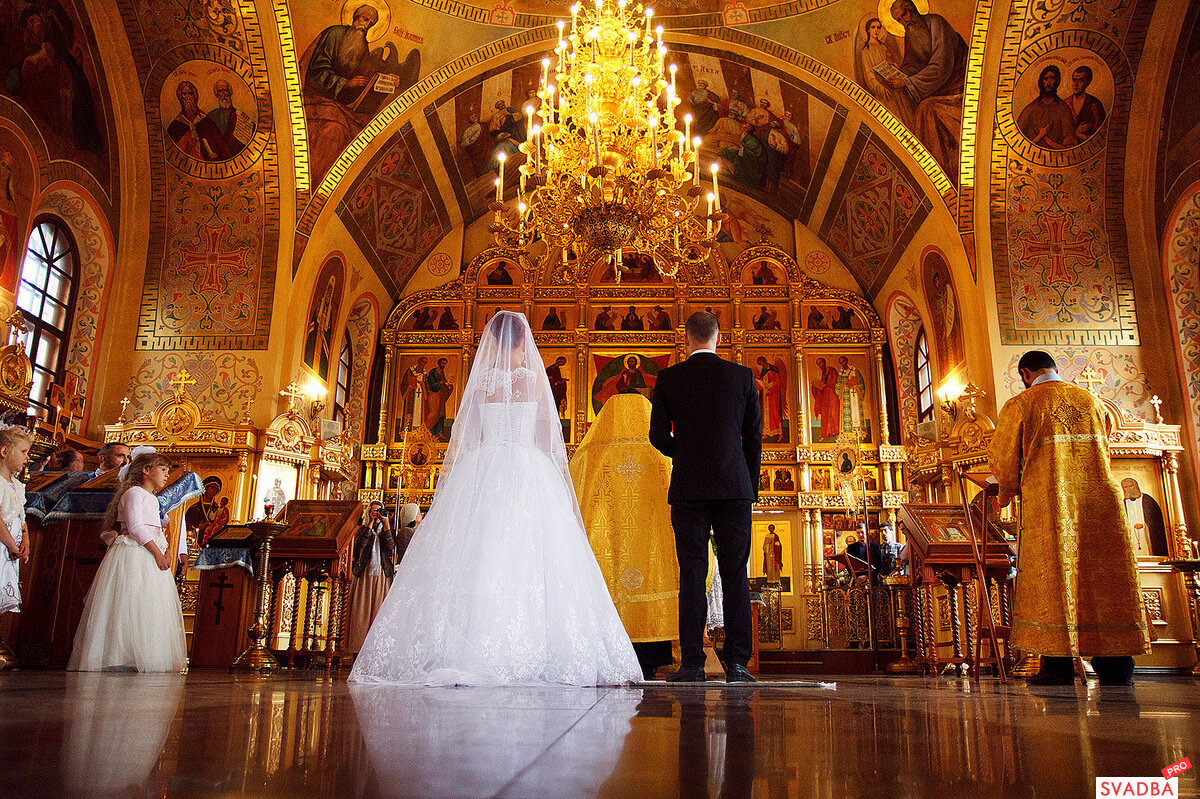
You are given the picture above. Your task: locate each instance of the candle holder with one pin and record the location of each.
(257, 657)
(1189, 567)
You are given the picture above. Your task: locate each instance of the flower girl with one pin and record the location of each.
(14, 546)
(132, 620)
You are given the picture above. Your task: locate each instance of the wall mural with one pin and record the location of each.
(1180, 165)
(323, 314)
(394, 210)
(1121, 377)
(1181, 265)
(48, 66)
(214, 207)
(227, 383)
(904, 323)
(361, 326)
(876, 210)
(18, 177)
(942, 301)
(1062, 269)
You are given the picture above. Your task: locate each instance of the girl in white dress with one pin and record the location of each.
(499, 585)
(14, 545)
(132, 619)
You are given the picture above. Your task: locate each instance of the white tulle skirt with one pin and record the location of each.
(131, 617)
(499, 587)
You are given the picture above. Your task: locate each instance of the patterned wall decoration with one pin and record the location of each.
(943, 304)
(94, 243)
(904, 323)
(226, 383)
(1058, 234)
(1122, 378)
(876, 210)
(394, 210)
(214, 208)
(361, 326)
(48, 52)
(1181, 265)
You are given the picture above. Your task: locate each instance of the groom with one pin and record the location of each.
(707, 418)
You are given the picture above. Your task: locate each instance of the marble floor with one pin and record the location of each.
(212, 733)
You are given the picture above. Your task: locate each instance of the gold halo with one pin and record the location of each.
(380, 28)
(885, 15)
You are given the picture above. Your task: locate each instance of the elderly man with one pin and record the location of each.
(1077, 593)
(112, 455)
(223, 140)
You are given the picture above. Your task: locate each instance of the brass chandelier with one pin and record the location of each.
(607, 169)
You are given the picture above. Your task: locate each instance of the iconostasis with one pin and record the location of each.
(816, 352)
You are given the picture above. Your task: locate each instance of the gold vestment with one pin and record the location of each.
(621, 482)
(1077, 585)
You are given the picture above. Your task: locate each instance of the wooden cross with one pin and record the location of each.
(180, 380)
(294, 393)
(1157, 403)
(1089, 378)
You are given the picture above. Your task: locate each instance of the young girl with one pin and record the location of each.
(14, 547)
(132, 619)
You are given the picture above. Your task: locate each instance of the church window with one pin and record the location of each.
(924, 379)
(46, 296)
(342, 391)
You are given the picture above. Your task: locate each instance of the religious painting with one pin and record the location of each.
(208, 112)
(835, 527)
(722, 312)
(771, 375)
(830, 316)
(633, 318)
(50, 64)
(561, 377)
(322, 316)
(943, 307)
(208, 515)
(764, 272)
(771, 554)
(765, 317)
(914, 62)
(845, 461)
(427, 389)
(16, 188)
(555, 317)
(636, 268)
(747, 223)
(1063, 98)
(277, 485)
(484, 311)
(350, 68)
(626, 373)
(431, 317)
(500, 272)
(783, 480)
(1142, 498)
(840, 395)
(821, 477)
(313, 521)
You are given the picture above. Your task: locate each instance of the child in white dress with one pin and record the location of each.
(14, 546)
(132, 619)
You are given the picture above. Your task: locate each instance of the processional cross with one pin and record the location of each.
(1089, 378)
(179, 381)
(294, 394)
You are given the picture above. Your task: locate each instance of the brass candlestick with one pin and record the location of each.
(258, 657)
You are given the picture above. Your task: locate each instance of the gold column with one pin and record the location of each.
(885, 435)
(385, 401)
(1181, 543)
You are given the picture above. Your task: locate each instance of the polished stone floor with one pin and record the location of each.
(216, 734)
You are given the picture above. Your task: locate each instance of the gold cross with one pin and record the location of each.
(124, 406)
(1157, 403)
(629, 470)
(293, 393)
(1089, 378)
(180, 380)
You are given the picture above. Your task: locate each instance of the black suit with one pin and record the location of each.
(707, 417)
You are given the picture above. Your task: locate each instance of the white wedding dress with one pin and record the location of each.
(499, 585)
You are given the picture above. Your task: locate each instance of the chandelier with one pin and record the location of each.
(606, 167)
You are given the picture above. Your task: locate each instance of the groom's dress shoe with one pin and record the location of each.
(687, 674)
(739, 673)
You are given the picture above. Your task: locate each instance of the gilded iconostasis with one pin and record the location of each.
(279, 193)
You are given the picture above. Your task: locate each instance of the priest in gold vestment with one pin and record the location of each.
(1077, 585)
(621, 482)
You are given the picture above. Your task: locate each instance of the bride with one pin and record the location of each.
(499, 585)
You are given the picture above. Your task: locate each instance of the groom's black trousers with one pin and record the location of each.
(729, 520)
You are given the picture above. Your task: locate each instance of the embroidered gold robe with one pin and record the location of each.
(1077, 588)
(621, 482)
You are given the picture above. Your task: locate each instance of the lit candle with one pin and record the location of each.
(574, 18)
(537, 147)
(594, 118)
(502, 157)
(696, 161)
(710, 210)
(546, 61)
(716, 184)
(687, 128)
(497, 182)
(654, 138)
(674, 69)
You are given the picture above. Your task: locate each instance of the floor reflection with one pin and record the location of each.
(212, 733)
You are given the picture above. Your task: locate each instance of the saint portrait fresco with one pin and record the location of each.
(322, 316)
(208, 112)
(16, 176)
(1062, 99)
(425, 393)
(840, 395)
(943, 305)
(630, 373)
(771, 376)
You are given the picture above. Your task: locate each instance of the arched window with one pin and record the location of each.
(341, 391)
(46, 296)
(924, 378)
